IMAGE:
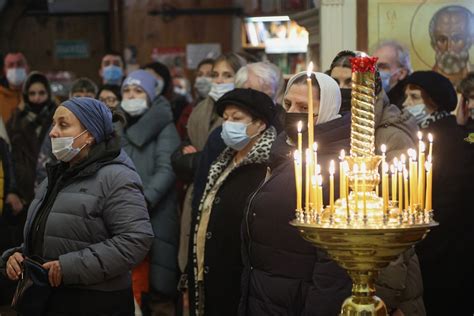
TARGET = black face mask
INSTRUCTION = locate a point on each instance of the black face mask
(38, 107)
(291, 125)
(345, 100)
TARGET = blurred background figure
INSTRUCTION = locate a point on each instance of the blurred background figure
(465, 110)
(110, 95)
(445, 262)
(15, 71)
(112, 69)
(394, 66)
(83, 87)
(149, 138)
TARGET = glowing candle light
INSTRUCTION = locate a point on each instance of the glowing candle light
(320, 191)
(383, 149)
(429, 184)
(297, 158)
(342, 176)
(421, 176)
(300, 137)
(332, 169)
(310, 105)
(385, 186)
(394, 182)
(400, 185)
(315, 151)
(314, 186)
(405, 187)
(307, 179)
(318, 201)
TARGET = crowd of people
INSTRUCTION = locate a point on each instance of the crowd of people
(140, 197)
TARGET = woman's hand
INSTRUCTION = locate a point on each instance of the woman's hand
(14, 268)
(190, 149)
(55, 273)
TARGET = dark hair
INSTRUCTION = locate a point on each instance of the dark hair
(84, 84)
(429, 102)
(342, 60)
(114, 53)
(466, 86)
(206, 61)
(112, 88)
(234, 60)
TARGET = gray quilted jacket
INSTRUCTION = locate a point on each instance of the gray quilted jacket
(98, 227)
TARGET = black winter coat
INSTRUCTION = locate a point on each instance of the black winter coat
(222, 256)
(284, 274)
(446, 253)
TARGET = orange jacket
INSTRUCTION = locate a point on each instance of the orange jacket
(9, 99)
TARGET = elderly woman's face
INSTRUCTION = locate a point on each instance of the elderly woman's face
(343, 76)
(133, 92)
(412, 97)
(66, 124)
(233, 113)
(222, 73)
(296, 100)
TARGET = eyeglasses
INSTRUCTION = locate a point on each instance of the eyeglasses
(41, 93)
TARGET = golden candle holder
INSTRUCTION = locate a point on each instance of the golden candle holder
(362, 231)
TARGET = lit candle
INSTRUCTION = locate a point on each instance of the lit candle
(314, 187)
(383, 149)
(320, 191)
(315, 151)
(332, 169)
(342, 175)
(385, 186)
(356, 188)
(412, 170)
(298, 180)
(400, 185)
(394, 182)
(405, 187)
(307, 180)
(429, 184)
(363, 170)
(430, 139)
(317, 202)
(300, 137)
(421, 175)
(310, 105)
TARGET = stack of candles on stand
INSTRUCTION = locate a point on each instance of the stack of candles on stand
(403, 198)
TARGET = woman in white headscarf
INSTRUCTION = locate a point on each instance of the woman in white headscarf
(283, 274)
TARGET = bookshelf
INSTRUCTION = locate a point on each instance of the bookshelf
(277, 39)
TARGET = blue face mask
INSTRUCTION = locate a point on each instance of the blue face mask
(385, 77)
(234, 135)
(419, 112)
(113, 75)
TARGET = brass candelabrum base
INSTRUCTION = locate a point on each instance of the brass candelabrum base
(363, 252)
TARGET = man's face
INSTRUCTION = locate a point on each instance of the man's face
(110, 60)
(82, 94)
(451, 42)
(388, 62)
(15, 61)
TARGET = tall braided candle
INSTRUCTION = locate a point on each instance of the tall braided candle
(362, 106)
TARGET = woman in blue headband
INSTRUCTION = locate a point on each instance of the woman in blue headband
(88, 224)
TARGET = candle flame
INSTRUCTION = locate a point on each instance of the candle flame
(383, 148)
(315, 146)
(320, 180)
(428, 165)
(309, 71)
(308, 155)
(392, 169)
(363, 168)
(385, 167)
(429, 158)
(332, 167)
(400, 166)
(411, 152)
(395, 161)
(296, 156)
(403, 158)
(420, 135)
(430, 137)
(405, 173)
(300, 126)
(318, 169)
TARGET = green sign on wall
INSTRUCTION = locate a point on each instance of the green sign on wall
(71, 49)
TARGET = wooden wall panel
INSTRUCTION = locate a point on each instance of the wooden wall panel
(35, 36)
(146, 32)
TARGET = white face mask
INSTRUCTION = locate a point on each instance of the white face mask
(219, 89)
(16, 76)
(203, 86)
(62, 147)
(134, 107)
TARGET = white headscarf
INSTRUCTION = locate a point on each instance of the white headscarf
(329, 98)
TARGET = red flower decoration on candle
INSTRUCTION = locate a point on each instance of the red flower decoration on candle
(363, 64)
